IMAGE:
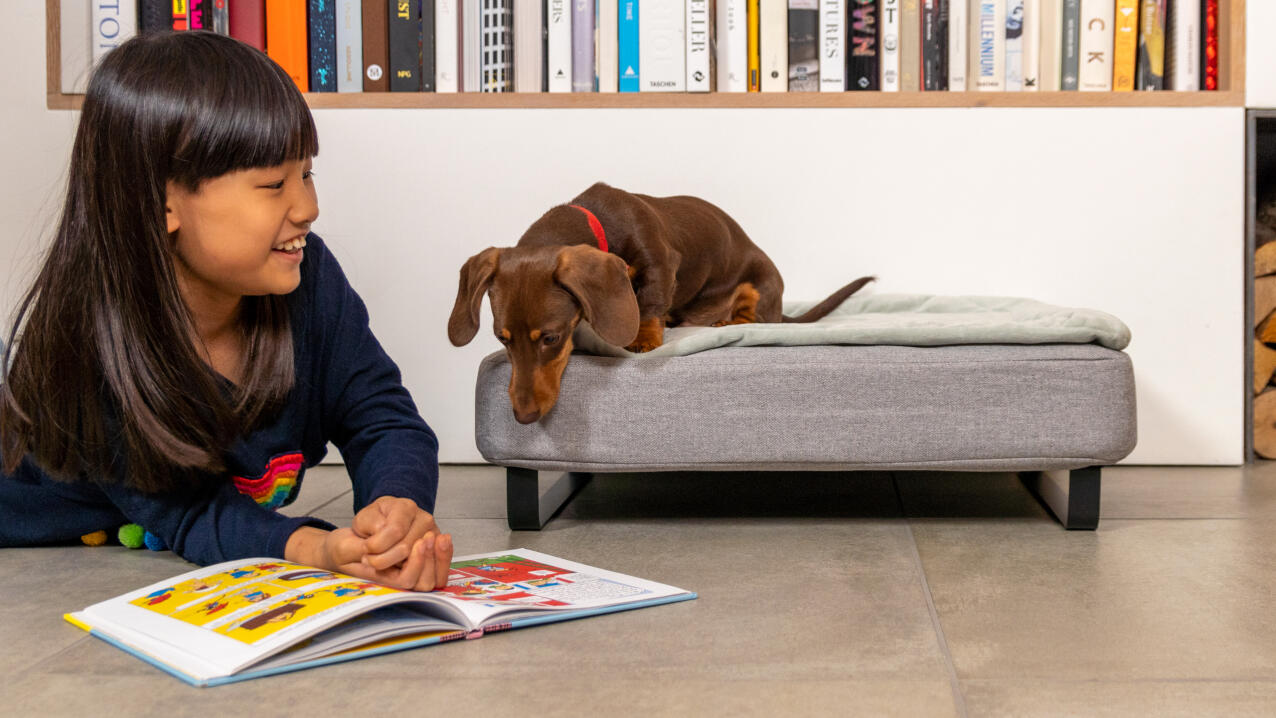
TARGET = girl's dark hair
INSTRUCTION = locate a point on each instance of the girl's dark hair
(104, 380)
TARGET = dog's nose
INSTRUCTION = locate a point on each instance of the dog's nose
(527, 417)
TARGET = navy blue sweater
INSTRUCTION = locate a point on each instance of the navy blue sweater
(347, 391)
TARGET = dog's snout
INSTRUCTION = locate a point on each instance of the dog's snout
(527, 417)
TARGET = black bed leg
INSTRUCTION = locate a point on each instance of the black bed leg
(1078, 508)
(525, 508)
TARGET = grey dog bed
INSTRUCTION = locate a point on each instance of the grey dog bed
(819, 407)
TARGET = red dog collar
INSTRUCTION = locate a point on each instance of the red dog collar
(595, 225)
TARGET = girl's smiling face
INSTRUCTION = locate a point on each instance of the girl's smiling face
(240, 234)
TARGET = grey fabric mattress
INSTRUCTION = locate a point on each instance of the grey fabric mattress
(979, 407)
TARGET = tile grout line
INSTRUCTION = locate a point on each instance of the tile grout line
(959, 699)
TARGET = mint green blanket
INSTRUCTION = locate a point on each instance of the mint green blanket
(904, 319)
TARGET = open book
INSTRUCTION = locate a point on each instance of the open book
(255, 617)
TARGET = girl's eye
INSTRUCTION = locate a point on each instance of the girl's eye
(307, 175)
(276, 185)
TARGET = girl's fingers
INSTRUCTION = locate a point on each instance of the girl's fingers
(410, 573)
(442, 560)
(422, 524)
(388, 559)
(345, 547)
(395, 523)
(428, 543)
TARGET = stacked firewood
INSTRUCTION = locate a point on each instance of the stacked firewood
(1265, 340)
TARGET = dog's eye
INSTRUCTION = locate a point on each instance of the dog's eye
(549, 340)
(502, 339)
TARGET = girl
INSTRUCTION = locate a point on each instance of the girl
(188, 347)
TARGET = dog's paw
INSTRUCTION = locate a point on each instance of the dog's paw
(642, 346)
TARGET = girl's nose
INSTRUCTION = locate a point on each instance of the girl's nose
(305, 206)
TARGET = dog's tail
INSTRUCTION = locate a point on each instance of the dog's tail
(835, 299)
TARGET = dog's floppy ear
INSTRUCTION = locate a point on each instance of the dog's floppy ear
(476, 279)
(600, 283)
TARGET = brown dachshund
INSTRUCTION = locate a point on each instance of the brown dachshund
(630, 265)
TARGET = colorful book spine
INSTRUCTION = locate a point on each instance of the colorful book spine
(112, 24)
(1182, 56)
(405, 46)
(1014, 45)
(698, 45)
(582, 45)
(197, 17)
(152, 15)
(323, 45)
(755, 38)
(732, 39)
(1150, 73)
(890, 45)
(773, 45)
(627, 47)
(662, 46)
(349, 46)
(1096, 45)
(1209, 45)
(76, 45)
(286, 38)
(1125, 45)
(528, 55)
(497, 49)
(804, 45)
(221, 17)
(1071, 62)
(832, 45)
(1032, 45)
(248, 22)
(560, 46)
(934, 68)
(1051, 44)
(607, 53)
(988, 45)
(910, 46)
(863, 57)
(376, 49)
(958, 44)
(179, 16)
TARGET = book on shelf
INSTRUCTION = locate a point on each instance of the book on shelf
(934, 67)
(732, 43)
(1125, 45)
(111, 24)
(322, 40)
(607, 57)
(958, 44)
(470, 74)
(1070, 60)
(1096, 45)
(152, 15)
(699, 24)
(248, 22)
(1182, 52)
(195, 15)
(755, 73)
(1051, 57)
(497, 46)
(559, 50)
(405, 46)
(349, 46)
(1209, 44)
(1014, 45)
(1150, 72)
(1032, 45)
(863, 71)
(627, 46)
(256, 617)
(582, 45)
(988, 46)
(286, 39)
(376, 46)
(804, 46)
(889, 18)
(773, 44)
(528, 50)
(910, 45)
(662, 47)
(832, 45)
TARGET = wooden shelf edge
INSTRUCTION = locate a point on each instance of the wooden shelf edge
(511, 100)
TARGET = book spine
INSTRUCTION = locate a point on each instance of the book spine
(221, 17)
(608, 54)
(934, 41)
(1096, 45)
(196, 18)
(427, 45)
(1071, 62)
(1182, 57)
(1209, 45)
(910, 46)
(1032, 45)
(862, 69)
(627, 47)
(1014, 45)
(323, 46)
(286, 39)
(832, 45)
(1151, 45)
(152, 15)
(1051, 44)
(405, 46)
(1125, 45)
(732, 41)
(498, 46)
(376, 48)
(890, 45)
(112, 24)
(248, 23)
(471, 43)
(755, 60)
(773, 45)
(698, 45)
(76, 45)
(662, 46)
(958, 44)
(988, 45)
(804, 45)
(349, 46)
(560, 46)
(527, 50)
(179, 16)
(582, 45)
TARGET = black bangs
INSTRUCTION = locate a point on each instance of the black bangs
(223, 104)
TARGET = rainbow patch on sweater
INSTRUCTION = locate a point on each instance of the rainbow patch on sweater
(277, 482)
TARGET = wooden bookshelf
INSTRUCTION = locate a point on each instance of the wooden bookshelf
(1231, 92)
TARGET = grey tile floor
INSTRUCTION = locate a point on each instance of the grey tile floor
(820, 594)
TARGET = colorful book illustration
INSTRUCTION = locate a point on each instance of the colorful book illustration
(804, 45)
(256, 617)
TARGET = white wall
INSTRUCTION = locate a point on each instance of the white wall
(1260, 54)
(1135, 211)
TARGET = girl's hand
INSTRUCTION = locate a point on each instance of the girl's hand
(403, 544)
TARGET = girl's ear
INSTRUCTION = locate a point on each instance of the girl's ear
(171, 218)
